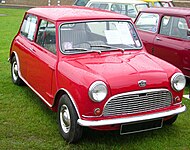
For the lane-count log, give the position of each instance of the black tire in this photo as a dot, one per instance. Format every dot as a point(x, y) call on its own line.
point(14, 72)
point(171, 120)
point(67, 120)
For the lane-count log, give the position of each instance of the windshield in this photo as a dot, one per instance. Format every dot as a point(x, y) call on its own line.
point(100, 35)
point(147, 22)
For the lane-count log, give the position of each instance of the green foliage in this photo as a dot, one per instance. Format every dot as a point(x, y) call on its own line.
point(26, 122)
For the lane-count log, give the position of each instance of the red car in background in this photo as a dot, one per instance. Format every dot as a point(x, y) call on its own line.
point(165, 33)
point(91, 68)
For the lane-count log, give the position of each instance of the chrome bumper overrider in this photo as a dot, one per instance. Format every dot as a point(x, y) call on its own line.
point(131, 119)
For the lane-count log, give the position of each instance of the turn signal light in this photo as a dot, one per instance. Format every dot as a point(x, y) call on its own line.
point(177, 99)
point(97, 111)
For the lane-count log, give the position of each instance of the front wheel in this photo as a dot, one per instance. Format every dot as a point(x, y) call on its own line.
point(67, 120)
point(14, 72)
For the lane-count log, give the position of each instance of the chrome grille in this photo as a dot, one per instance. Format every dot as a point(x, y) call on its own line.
point(137, 102)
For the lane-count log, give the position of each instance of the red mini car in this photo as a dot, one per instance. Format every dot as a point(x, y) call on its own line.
point(165, 33)
point(92, 69)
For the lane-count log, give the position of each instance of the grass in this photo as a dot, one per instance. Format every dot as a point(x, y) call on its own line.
point(26, 122)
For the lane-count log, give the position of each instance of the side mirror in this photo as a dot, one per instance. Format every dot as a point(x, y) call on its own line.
point(188, 32)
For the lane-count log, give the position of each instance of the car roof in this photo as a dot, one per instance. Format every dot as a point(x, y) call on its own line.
point(119, 1)
point(169, 10)
point(74, 13)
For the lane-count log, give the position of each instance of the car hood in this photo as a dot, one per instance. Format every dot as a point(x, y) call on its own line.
point(123, 72)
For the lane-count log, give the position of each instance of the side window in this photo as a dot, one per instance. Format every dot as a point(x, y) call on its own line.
point(81, 2)
point(150, 4)
point(131, 11)
point(157, 4)
point(119, 8)
point(28, 27)
point(148, 22)
point(100, 6)
point(174, 27)
point(124, 9)
point(46, 36)
point(165, 26)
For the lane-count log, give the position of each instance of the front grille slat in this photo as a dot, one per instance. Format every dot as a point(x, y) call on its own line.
point(136, 103)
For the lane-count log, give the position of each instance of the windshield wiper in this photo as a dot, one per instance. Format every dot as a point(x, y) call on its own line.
point(82, 49)
point(109, 46)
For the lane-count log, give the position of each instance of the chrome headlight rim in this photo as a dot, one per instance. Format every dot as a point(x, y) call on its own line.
point(93, 86)
point(174, 79)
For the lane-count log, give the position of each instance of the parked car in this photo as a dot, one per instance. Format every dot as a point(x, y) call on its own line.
point(92, 69)
point(125, 7)
point(154, 3)
point(165, 33)
point(167, 3)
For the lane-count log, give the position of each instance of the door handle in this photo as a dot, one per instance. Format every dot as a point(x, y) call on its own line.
point(158, 39)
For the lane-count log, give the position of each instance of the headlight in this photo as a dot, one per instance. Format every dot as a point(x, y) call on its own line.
point(178, 81)
point(98, 91)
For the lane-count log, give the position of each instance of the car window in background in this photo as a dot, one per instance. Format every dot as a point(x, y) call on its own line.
point(131, 11)
point(147, 22)
point(154, 4)
point(157, 4)
point(174, 27)
point(141, 6)
point(100, 6)
point(29, 27)
point(150, 4)
point(46, 36)
point(119, 8)
point(124, 9)
point(81, 2)
point(171, 4)
point(165, 4)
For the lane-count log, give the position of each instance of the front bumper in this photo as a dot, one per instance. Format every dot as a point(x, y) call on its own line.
point(131, 119)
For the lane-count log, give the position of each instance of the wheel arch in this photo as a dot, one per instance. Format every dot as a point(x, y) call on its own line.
point(57, 97)
point(12, 55)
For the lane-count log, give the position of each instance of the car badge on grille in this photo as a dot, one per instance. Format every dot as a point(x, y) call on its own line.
point(142, 83)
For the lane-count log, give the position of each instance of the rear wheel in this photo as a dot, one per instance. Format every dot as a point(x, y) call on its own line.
point(171, 120)
point(67, 120)
point(14, 72)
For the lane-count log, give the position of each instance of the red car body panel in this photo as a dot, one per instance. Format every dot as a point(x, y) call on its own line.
point(173, 50)
point(48, 74)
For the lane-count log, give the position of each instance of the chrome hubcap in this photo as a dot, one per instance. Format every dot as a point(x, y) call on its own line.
point(65, 118)
point(15, 70)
